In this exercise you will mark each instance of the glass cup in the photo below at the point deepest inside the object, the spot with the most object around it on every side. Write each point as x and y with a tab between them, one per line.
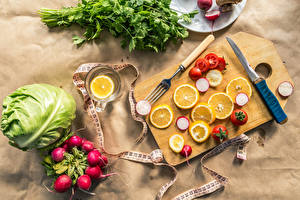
114	75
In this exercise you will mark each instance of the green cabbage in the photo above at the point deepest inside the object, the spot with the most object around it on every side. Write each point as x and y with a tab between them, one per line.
36	116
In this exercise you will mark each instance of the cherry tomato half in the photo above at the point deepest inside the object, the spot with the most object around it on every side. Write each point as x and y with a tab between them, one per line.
202	64
195	73
212	60
222	64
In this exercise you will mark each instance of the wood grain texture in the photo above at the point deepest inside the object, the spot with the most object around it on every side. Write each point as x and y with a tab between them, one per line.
257	50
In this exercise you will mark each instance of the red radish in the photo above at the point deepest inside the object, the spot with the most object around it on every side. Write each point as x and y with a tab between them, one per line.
182	123
93	172
241	99
103	161
75	141
58	154
65	146
87	146
285	88
143	107
93	157
62	183
202	84
186	151
84	182
204	4
212	15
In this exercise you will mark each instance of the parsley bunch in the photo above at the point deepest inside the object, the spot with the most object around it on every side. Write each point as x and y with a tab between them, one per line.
143	24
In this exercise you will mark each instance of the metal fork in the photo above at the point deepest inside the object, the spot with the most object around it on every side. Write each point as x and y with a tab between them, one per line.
165	84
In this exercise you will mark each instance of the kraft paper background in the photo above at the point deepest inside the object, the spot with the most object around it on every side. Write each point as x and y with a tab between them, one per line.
31	53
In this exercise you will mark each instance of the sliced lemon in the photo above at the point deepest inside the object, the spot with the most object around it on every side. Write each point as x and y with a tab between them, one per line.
176	142
204	112
161	116
214	77
238	85
200	131
222	104
186	96
102	86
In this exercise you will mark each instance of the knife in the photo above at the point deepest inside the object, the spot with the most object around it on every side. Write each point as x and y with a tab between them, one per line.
261	86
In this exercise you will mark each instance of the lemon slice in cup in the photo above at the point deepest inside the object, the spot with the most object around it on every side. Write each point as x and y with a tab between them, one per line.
102	86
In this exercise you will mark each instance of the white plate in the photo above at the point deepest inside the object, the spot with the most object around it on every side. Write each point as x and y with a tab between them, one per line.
199	22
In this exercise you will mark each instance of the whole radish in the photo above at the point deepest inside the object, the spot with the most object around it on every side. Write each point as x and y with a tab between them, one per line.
204	4
87	146
93	172
84	182
58	154
186	151
94	157
103	161
74	141
62	183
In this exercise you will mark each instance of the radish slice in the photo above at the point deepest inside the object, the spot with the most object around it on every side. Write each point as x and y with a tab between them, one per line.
241	99
285	88
182	123
202	84
143	107
212	15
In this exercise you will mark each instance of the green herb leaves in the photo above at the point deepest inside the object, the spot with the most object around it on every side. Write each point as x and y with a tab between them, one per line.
143	24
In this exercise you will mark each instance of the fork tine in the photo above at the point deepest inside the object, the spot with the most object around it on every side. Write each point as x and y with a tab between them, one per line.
158	96
155	90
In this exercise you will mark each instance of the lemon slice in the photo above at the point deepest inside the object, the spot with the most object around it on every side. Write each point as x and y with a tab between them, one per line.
204	112
161	116
176	142
199	130
222	104
214	77
102	86
238	85
186	96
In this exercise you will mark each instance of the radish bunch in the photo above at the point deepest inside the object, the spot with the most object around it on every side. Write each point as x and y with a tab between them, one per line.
75	163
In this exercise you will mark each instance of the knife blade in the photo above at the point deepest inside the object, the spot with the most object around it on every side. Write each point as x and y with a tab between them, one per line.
261	86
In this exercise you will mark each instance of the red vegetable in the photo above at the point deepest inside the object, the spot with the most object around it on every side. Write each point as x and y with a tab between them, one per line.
241	99
143	107
222	64
204	4
285	89
213	60
239	117
87	146
62	183
219	133
103	161
195	73
58	154
186	151
93	157
84	182
202	64
212	15
202	84
75	141
93	172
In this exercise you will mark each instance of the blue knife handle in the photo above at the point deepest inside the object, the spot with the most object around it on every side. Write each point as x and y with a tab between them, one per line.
271	102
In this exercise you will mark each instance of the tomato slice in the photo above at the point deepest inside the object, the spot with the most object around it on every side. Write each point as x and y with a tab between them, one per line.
202	64
222	64
213	60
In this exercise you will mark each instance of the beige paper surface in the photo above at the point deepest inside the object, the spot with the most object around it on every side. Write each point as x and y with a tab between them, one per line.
31	53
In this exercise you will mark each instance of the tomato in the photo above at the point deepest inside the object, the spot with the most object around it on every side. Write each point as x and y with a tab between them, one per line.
195	73
219	133
222	64
239	117
213	60
202	64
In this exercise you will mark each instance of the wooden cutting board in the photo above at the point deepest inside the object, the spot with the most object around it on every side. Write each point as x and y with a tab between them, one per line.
259	52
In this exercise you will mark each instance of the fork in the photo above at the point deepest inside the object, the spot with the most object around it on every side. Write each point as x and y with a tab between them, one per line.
165	84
